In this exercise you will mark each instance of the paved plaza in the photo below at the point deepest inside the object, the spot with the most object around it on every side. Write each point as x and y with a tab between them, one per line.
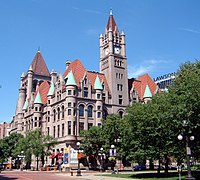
52	175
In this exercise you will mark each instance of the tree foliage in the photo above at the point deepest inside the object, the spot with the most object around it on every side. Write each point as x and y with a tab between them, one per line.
8	146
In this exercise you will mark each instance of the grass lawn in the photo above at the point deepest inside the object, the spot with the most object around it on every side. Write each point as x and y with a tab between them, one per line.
153	176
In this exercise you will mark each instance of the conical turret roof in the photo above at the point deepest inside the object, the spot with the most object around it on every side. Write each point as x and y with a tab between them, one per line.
147	92
97	84
38	99
70	80
25	105
51	90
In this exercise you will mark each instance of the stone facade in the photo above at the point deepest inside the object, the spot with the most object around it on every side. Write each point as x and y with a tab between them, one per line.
63	104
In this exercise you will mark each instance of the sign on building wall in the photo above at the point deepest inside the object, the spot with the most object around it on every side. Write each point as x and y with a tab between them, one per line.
66	156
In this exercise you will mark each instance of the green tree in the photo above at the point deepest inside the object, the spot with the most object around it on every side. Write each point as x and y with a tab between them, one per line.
37	144
92	142
8	146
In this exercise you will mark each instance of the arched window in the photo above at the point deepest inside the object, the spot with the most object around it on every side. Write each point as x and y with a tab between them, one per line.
81	110
63	112
54	115
90	111
58	113
121	113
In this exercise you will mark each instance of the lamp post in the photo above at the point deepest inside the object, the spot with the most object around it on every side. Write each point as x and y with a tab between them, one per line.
78	170
101	154
188	151
113	154
21	156
118	141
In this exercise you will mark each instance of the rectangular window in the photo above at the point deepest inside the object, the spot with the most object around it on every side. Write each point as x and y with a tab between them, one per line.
81	126
119	87
85	93
99	124
54	131
58	131
120	99
69	112
48	131
36	108
69	127
98	96
69	104
90	125
35	124
63	130
74	127
69	92
98	107
98	114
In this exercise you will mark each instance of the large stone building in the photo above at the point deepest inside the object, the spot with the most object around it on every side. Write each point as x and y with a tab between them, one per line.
63	104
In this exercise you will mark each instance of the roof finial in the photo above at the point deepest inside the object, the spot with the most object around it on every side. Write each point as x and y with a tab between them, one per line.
38	48
111	12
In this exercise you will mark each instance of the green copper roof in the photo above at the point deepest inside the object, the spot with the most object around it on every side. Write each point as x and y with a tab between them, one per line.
25	105
51	90
97	84
70	79
38	99
147	92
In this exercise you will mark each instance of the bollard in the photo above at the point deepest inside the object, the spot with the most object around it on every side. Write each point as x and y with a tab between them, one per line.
71	173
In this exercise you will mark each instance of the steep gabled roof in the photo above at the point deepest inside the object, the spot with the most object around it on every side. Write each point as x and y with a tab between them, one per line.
78	71
111	25
43	89
39	66
141	83
92	77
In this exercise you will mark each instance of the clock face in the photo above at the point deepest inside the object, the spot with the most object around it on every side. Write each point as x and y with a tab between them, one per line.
106	51
117	50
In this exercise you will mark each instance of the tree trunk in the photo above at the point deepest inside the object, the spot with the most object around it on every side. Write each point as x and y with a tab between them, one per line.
37	163
166	163
151	165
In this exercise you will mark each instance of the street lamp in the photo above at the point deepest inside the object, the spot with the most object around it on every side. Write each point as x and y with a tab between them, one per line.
188	151
113	155
101	154
118	141
21	156
78	170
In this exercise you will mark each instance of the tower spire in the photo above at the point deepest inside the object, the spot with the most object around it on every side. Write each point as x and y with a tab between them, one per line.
111	13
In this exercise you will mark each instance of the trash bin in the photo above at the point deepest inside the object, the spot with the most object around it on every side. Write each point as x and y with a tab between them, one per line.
72	173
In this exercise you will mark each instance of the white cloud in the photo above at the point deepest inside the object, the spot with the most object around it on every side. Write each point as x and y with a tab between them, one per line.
190	30
135	71
146	66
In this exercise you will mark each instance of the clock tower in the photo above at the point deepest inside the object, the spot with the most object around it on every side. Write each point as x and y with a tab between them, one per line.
113	63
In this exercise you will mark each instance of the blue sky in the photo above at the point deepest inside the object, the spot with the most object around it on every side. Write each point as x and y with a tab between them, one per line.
160	35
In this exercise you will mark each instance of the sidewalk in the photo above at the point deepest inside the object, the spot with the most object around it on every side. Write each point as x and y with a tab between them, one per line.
89	175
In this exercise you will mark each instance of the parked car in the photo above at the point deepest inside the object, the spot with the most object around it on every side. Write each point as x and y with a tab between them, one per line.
139	168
